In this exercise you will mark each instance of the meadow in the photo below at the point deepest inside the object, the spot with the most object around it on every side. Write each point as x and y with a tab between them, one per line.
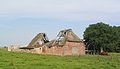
15	60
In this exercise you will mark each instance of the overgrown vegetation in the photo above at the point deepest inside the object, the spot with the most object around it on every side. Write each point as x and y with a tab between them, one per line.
13	60
102	36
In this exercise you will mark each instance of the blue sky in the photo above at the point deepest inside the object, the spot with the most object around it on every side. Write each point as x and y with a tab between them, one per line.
21	20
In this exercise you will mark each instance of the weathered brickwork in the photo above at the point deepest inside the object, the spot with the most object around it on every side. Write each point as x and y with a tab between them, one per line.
70	48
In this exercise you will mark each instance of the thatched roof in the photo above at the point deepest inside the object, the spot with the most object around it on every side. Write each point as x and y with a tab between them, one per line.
40	37
37	41
63	36
69	35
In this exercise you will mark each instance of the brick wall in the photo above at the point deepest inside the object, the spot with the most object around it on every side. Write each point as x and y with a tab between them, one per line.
70	48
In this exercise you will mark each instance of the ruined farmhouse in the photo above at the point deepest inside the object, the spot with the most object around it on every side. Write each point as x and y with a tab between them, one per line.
66	43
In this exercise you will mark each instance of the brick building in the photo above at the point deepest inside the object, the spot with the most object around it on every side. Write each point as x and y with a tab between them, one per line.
66	43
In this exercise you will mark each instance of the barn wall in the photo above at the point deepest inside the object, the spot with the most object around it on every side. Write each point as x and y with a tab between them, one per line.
75	48
70	48
53	50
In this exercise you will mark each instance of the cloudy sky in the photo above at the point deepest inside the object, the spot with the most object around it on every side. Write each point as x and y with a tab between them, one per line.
21	20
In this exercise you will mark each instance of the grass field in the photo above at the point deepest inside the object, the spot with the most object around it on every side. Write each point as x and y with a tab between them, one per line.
12	60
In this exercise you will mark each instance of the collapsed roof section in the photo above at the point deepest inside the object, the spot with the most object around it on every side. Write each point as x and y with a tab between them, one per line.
42	40
37	41
69	35
62	37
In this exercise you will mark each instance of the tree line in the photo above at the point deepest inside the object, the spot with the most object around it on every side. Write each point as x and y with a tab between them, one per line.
102	37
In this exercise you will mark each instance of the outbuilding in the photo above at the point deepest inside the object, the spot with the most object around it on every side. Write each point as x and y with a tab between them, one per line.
67	43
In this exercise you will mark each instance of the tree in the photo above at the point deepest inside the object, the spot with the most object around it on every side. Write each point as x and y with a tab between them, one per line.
102	36
116	38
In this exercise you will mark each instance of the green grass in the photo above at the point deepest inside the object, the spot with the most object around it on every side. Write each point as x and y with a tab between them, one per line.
12	60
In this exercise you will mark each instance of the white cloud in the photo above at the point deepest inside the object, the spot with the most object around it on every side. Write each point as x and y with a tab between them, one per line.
62	9
39	7
61	6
